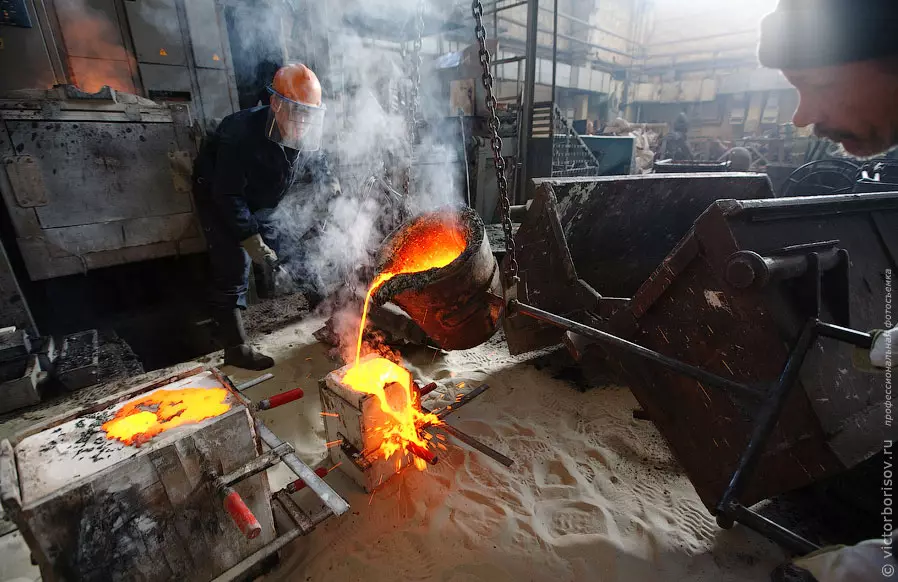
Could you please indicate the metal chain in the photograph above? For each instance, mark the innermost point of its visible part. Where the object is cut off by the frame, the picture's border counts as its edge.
(416, 64)
(511, 270)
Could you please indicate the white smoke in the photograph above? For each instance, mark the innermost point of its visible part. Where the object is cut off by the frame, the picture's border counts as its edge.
(369, 144)
(367, 139)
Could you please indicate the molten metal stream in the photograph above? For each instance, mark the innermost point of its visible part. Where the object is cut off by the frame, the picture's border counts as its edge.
(429, 243)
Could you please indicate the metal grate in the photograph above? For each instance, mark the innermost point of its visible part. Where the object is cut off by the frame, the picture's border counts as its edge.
(570, 155)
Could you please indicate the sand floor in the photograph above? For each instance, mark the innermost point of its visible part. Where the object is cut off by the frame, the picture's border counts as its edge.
(593, 493)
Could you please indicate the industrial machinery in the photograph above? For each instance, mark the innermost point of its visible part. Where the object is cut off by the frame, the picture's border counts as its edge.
(682, 167)
(821, 178)
(615, 230)
(165, 51)
(94, 180)
(745, 329)
(138, 485)
(98, 102)
(738, 344)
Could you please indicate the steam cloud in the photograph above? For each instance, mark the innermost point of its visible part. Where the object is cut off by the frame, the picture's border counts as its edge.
(367, 143)
(366, 91)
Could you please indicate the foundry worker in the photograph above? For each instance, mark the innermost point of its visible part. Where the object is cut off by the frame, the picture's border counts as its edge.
(842, 56)
(675, 144)
(244, 170)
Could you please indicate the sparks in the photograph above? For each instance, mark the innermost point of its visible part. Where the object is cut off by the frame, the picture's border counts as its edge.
(333, 443)
(372, 377)
(333, 414)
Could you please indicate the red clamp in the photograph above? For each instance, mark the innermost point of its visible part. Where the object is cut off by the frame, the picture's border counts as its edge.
(422, 453)
(280, 399)
(427, 389)
(241, 514)
(299, 484)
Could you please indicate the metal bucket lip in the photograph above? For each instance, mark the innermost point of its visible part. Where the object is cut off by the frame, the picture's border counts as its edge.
(474, 237)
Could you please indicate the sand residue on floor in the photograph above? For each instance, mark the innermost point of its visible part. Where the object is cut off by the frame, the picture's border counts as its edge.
(593, 494)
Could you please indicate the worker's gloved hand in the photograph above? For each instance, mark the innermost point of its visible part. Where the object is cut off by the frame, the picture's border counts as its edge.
(880, 354)
(258, 251)
(883, 344)
(860, 563)
(283, 282)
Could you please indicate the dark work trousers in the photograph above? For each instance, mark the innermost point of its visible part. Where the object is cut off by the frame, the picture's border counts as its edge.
(230, 264)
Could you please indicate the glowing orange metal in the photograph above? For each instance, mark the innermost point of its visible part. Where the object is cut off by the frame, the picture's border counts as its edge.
(140, 420)
(426, 244)
(372, 377)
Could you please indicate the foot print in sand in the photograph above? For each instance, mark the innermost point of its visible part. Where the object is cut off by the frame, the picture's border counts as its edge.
(553, 472)
(484, 501)
(697, 521)
(508, 429)
(598, 456)
(587, 471)
(558, 518)
(695, 526)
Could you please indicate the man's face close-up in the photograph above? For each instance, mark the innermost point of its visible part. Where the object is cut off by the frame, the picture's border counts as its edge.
(855, 104)
(291, 126)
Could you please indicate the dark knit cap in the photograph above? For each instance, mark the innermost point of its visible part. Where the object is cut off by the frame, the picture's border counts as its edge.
(818, 33)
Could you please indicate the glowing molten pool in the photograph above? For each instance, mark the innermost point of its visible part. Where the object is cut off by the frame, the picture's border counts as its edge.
(140, 420)
(372, 377)
(428, 243)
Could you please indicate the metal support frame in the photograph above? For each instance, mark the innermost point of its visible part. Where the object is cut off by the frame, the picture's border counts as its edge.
(703, 376)
(302, 525)
(284, 453)
(570, 154)
(331, 498)
(199, 110)
(526, 124)
(495, 8)
(579, 41)
(554, 73)
(729, 510)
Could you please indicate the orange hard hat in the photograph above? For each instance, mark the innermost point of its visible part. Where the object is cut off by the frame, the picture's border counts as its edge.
(298, 83)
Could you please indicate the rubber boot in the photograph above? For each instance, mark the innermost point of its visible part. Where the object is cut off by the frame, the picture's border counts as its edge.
(237, 352)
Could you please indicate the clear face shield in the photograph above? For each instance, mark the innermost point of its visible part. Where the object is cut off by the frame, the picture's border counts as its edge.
(293, 124)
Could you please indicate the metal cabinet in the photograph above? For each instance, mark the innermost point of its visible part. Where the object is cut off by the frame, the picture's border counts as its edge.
(156, 31)
(94, 183)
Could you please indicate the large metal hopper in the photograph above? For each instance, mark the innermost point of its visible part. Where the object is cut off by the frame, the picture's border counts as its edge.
(611, 232)
(739, 345)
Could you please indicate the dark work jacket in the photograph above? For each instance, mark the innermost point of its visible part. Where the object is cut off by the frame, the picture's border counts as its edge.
(239, 171)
